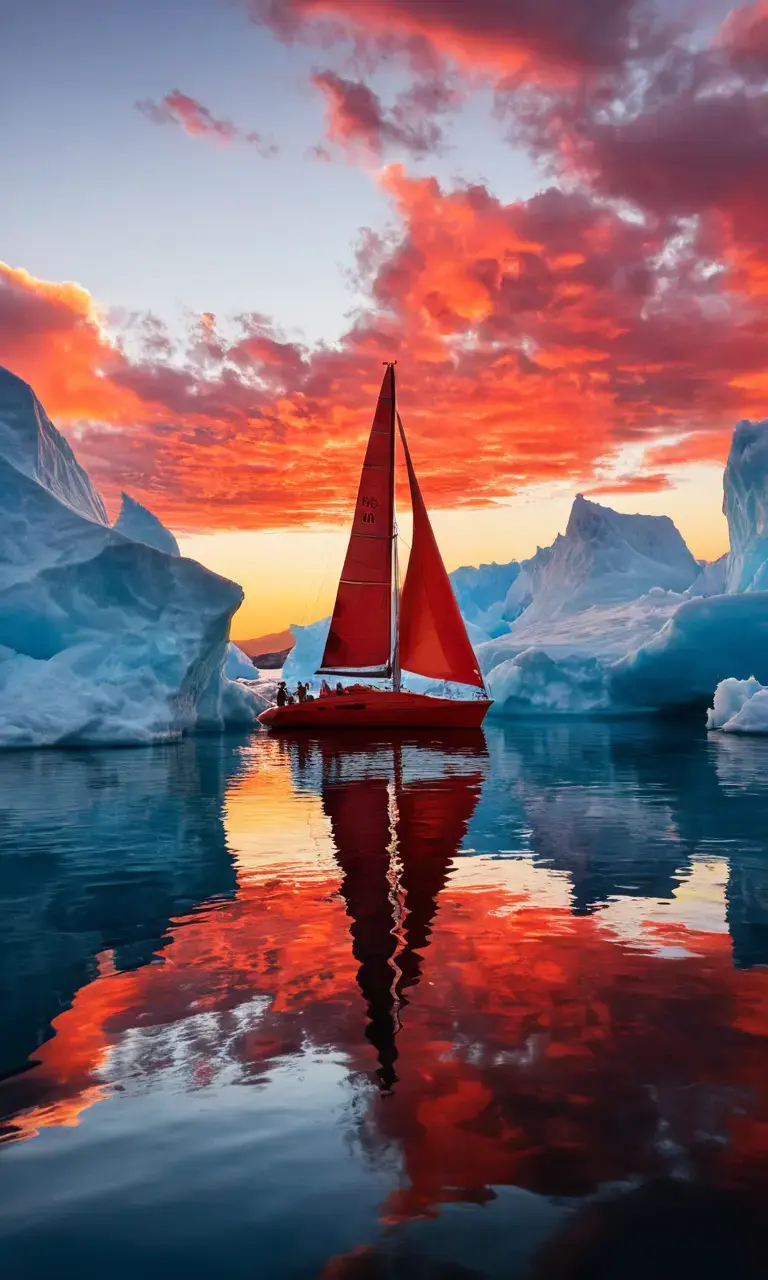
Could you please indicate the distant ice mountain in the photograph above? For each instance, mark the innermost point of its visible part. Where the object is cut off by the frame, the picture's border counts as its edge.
(745, 503)
(140, 525)
(103, 639)
(604, 558)
(617, 616)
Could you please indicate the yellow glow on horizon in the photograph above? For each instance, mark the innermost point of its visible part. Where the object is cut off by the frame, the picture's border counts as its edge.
(291, 576)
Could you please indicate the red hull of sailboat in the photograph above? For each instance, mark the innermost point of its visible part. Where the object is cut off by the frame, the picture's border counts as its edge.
(378, 709)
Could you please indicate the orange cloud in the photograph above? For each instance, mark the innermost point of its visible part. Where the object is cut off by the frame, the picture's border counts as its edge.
(195, 119)
(535, 339)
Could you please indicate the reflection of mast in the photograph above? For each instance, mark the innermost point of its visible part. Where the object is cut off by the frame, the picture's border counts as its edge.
(360, 821)
(395, 847)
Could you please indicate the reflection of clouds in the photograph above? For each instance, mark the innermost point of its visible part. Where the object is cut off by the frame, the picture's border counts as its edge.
(197, 1051)
(536, 1046)
(523, 882)
(697, 903)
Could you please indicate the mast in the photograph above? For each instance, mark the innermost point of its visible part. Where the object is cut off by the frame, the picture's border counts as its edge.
(433, 639)
(395, 560)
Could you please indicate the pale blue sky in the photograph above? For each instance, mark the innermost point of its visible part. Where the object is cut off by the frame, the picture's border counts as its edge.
(148, 217)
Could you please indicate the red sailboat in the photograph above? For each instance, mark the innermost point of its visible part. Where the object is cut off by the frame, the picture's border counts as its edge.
(376, 631)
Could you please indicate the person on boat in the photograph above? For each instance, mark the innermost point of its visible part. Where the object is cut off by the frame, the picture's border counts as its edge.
(282, 694)
(339, 687)
(325, 689)
(301, 691)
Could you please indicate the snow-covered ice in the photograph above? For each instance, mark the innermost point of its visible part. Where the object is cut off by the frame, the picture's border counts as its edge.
(103, 638)
(739, 706)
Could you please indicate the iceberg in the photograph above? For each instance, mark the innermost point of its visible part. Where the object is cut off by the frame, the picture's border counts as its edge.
(307, 652)
(104, 639)
(601, 590)
(533, 682)
(140, 525)
(239, 665)
(617, 616)
(481, 593)
(701, 644)
(712, 578)
(739, 706)
(605, 558)
(745, 504)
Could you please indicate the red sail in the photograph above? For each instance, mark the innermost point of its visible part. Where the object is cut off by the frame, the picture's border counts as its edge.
(360, 638)
(433, 638)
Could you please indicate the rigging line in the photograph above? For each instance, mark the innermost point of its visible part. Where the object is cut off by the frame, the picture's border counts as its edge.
(323, 579)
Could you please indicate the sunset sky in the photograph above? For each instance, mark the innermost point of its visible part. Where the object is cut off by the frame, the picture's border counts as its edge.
(219, 217)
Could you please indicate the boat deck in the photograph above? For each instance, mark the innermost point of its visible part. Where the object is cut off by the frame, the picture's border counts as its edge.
(378, 709)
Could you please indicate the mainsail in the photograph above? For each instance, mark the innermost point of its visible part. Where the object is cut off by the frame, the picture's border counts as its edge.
(360, 639)
(369, 635)
(433, 638)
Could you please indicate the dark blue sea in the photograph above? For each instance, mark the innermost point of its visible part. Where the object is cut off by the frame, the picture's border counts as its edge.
(358, 1007)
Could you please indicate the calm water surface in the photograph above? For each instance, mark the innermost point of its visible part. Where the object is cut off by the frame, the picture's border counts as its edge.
(265, 1003)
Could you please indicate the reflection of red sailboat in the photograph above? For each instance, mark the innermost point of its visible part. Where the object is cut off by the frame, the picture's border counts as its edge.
(395, 837)
(374, 633)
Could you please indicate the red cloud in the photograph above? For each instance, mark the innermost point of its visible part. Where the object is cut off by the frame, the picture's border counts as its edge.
(499, 35)
(356, 118)
(701, 152)
(195, 119)
(745, 37)
(535, 338)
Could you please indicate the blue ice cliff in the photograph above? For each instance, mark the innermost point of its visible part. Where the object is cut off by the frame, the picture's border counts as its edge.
(107, 635)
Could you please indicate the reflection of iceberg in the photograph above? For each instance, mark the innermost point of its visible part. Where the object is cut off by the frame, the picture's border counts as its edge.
(628, 812)
(98, 853)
